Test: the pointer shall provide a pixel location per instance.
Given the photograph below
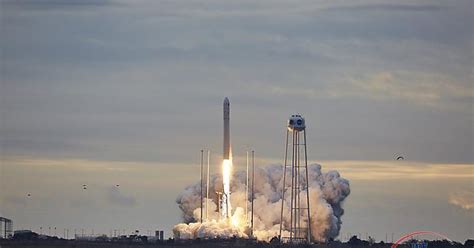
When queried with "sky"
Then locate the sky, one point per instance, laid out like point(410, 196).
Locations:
point(102, 92)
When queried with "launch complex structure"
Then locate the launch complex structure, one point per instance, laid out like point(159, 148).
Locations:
point(224, 203)
point(298, 230)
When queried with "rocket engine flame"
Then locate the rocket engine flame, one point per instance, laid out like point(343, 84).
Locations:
point(226, 173)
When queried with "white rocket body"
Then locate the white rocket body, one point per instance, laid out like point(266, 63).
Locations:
point(226, 128)
point(226, 164)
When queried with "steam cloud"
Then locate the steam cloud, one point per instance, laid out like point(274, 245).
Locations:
point(327, 192)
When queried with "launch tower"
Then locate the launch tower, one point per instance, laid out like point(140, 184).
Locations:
point(300, 220)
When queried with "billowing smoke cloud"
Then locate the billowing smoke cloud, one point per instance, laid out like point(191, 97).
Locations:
point(327, 192)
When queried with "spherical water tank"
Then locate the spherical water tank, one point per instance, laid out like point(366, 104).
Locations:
point(296, 123)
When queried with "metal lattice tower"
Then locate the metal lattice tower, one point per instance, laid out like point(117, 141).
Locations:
point(6, 228)
point(299, 227)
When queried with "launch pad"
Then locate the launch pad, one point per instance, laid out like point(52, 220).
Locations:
point(295, 216)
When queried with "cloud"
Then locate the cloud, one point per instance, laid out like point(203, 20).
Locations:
point(463, 199)
point(424, 89)
point(245, 8)
point(116, 197)
point(396, 170)
point(48, 4)
point(391, 170)
point(389, 7)
point(386, 86)
point(417, 88)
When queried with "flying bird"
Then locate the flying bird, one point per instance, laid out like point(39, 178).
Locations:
point(400, 158)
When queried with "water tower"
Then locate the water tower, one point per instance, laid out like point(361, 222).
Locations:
point(299, 227)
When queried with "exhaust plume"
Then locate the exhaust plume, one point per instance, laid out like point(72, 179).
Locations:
point(327, 193)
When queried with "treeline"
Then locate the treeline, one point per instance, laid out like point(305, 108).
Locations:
point(32, 239)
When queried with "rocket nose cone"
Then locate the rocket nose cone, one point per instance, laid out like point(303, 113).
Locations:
point(226, 100)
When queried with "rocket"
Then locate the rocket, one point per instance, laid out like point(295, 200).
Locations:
point(226, 164)
point(226, 129)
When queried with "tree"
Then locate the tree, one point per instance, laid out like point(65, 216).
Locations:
point(469, 243)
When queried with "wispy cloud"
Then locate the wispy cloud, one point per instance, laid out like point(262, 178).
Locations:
point(245, 8)
point(390, 170)
point(97, 174)
point(425, 89)
point(463, 199)
point(396, 170)
point(417, 88)
point(70, 164)
point(390, 7)
point(115, 196)
point(48, 4)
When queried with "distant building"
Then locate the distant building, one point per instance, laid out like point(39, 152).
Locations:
point(159, 235)
point(419, 244)
point(6, 228)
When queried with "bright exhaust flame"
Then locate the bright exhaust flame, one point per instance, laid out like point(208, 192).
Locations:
point(235, 220)
point(226, 173)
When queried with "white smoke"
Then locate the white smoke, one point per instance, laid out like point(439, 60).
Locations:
point(327, 192)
